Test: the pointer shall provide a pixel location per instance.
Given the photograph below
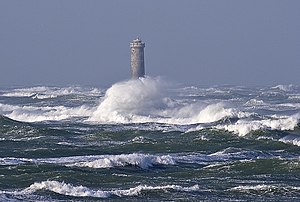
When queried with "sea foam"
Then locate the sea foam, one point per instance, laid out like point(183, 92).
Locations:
point(291, 139)
point(265, 188)
point(243, 127)
point(129, 101)
point(140, 160)
point(44, 92)
point(150, 100)
point(81, 191)
point(143, 161)
point(145, 100)
point(47, 113)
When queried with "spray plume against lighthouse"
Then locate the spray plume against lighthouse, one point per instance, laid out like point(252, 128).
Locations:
point(137, 58)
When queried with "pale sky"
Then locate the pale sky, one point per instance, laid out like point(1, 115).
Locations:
point(193, 42)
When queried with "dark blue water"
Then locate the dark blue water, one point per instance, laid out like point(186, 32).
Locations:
point(146, 140)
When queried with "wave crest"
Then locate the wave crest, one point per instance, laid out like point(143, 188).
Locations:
point(243, 127)
point(81, 191)
point(144, 100)
point(45, 92)
point(37, 114)
point(125, 101)
point(141, 160)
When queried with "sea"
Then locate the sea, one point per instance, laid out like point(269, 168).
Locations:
point(150, 140)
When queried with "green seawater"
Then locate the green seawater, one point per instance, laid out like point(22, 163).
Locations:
point(142, 141)
point(208, 165)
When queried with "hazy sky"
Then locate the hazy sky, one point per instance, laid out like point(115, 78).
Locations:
point(194, 42)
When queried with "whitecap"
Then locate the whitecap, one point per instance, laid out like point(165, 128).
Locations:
point(14, 161)
point(284, 87)
point(81, 191)
point(266, 188)
point(254, 102)
point(44, 92)
point(243, 127)
point(143, 161)
point(140, 160)
point(291, 139)
point(145, 100)
point(47, 113)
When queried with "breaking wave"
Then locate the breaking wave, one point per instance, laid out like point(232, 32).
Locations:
point(143, 161)
point(151, 100)
point(140, 160)
point(44, 92)
point(291, 139)
point(145, 100)
point(243, 127)
point(289, 87)
point(129, 101)
point(81, 191)
point(265, 189)
point(37, 114)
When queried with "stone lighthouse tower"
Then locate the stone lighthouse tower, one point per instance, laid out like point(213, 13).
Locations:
point(137, 58)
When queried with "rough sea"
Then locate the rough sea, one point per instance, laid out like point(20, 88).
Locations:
point(149, 140)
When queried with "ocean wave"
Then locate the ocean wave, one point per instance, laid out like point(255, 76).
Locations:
point(81, 191)
point(37, 114)
point(144, 161)
point(147, 100)
point(290, 105)
point(265, 188)
point(291, 139)
point(44, 92)
point(140, 160)
point(255, 102)
point(243, 127)
point(237, 153)
point(285, 88)
point(294, 97)
point(129, 101)
point(144, 100)
point(13, 161)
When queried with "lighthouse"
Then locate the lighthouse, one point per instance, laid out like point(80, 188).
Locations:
point(137, 58)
